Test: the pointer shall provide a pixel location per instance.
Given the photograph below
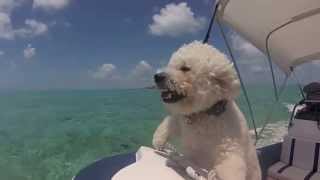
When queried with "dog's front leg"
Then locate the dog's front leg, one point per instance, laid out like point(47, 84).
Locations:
point(231, 168)
point(165, 130)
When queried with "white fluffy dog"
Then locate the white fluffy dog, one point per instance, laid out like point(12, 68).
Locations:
point(198, 87)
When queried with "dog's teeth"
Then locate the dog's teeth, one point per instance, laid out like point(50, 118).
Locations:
point(164, 90)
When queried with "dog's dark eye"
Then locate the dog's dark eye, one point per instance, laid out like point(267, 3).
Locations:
point(185, 68)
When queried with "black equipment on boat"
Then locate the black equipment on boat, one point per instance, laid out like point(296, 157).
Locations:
point(313, 91)
point(311, 109)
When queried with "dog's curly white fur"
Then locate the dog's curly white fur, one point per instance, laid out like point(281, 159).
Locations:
point(197, 77)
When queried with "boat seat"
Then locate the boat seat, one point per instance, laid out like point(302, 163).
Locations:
point(299, 160)
point(305, 129)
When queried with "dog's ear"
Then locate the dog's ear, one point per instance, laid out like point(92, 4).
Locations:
point(226, 77)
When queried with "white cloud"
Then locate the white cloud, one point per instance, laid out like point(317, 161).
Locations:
point(316, 63)
point(51, 4)
point(142, 70)
point(2, 53)
point(65, 24)
point(175, 20)
point(6, 31)
point(105, 71)
point(32, 28)
point(252, 62)
point(8, 5)
point(244, 48)
point(139, 76)
point(247, 54)
point(29, 52)
point(36, 27)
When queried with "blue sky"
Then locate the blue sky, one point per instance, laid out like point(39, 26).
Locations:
point(89, 44)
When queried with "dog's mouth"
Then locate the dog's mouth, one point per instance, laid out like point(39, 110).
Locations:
point(171, 96)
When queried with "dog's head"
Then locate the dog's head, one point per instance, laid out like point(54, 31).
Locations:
point(197, 76)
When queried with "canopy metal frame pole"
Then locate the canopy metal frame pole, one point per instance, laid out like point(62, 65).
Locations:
point(240, 78)
point(298, 81)
point(214, 14)
point(275, 88)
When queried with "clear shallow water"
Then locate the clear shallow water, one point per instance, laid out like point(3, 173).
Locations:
point(51, 135)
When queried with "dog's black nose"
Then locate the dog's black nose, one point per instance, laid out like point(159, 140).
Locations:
point(160, 77)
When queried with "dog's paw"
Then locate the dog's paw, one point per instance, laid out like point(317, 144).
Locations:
point(213, 175)
point(195, 175)
point(158, 144)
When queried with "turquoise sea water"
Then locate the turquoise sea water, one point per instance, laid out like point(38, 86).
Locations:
point(51, 135)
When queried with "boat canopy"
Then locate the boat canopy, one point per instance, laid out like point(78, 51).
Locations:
point(288, 31)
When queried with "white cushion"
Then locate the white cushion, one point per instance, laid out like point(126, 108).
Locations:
point(305, 129)
point(291, 173)
point(315, 176)
point(149, 165)
point(285, 152)
point(304, 154)
point(273, 170)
